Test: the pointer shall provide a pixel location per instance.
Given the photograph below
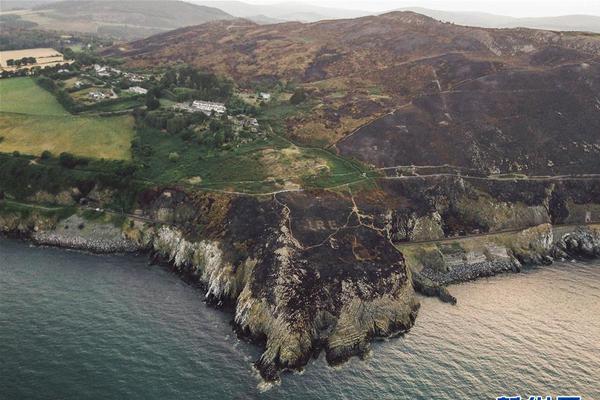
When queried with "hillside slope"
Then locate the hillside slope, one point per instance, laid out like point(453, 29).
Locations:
point(128, 19)
point(285, 11)
point(422, 92)
point(585, 23)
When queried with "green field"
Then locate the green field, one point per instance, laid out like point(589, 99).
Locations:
point(31, 121)
point(22, 95)
point(260, 167)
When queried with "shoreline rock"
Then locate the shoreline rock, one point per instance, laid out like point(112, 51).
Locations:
point(299, 286)
point(533, 246)
point(101, 246)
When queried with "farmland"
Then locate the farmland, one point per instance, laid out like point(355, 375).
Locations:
point(261, 161)
point(23, 96)
point(32, 121)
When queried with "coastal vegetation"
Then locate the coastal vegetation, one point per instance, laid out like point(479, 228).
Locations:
point(54, 138)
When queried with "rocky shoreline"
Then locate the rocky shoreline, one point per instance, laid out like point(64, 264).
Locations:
point(101, 246)
point(581, 243)
point(470, 272)
point(294, 288)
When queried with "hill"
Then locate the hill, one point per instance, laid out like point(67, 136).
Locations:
point(586, 23)
point(279, 12)
point(290, 11)
point(404, 89)
point(129, 19)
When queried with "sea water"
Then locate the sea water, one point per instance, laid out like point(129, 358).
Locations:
point(82, 326)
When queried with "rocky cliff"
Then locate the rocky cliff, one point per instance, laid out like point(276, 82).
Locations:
point(313, 271)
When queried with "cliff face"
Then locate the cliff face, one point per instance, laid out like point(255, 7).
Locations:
point(298, 285)
point(316, 271)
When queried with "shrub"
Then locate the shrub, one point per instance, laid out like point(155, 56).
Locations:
point(298, 97)
point(152, 102)
point(173, 156)
point(46, 155)
point(67, 160)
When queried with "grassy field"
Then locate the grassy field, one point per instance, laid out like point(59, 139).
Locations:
point(31, 121)
point(262, 166)
point(22, 95)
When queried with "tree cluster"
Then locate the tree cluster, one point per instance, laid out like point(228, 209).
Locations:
point(203, 85)
point(21, 61)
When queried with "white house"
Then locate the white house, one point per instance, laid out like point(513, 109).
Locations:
point(137, 90)
point(96, 95)
point(134, 77)
point(105, 71)
point(208, 107)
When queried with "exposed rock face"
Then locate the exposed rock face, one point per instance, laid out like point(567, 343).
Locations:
point(305, 272)
point(447, 262)
point(583, 242)
point(316, 271)
point(22, 225)
point(313, 271)
point(77, 233)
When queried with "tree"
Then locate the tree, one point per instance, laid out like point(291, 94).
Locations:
point(68, 53)
point(298, 97)
point(124, 83)
point(169, 79)
point(67, 160)
point(152, 102)
point(46, 155)
point(176, 124)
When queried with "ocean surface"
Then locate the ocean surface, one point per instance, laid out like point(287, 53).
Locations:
point(80, 326)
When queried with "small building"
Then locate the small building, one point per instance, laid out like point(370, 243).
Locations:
point(105, 71)
point(97, 95)
point(101, 70)
point(265, 96)
point(208, 107)
point(137, 90)
point(253, 122)
point(134, 77)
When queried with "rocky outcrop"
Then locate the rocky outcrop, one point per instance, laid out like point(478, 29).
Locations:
point(310, 272)
point(584, 242)
point(306, 273)
point(442, 263)
point(116, 245)
point(73, 232)
point(22, 225)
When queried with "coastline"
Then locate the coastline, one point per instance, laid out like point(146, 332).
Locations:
point(230, 287)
